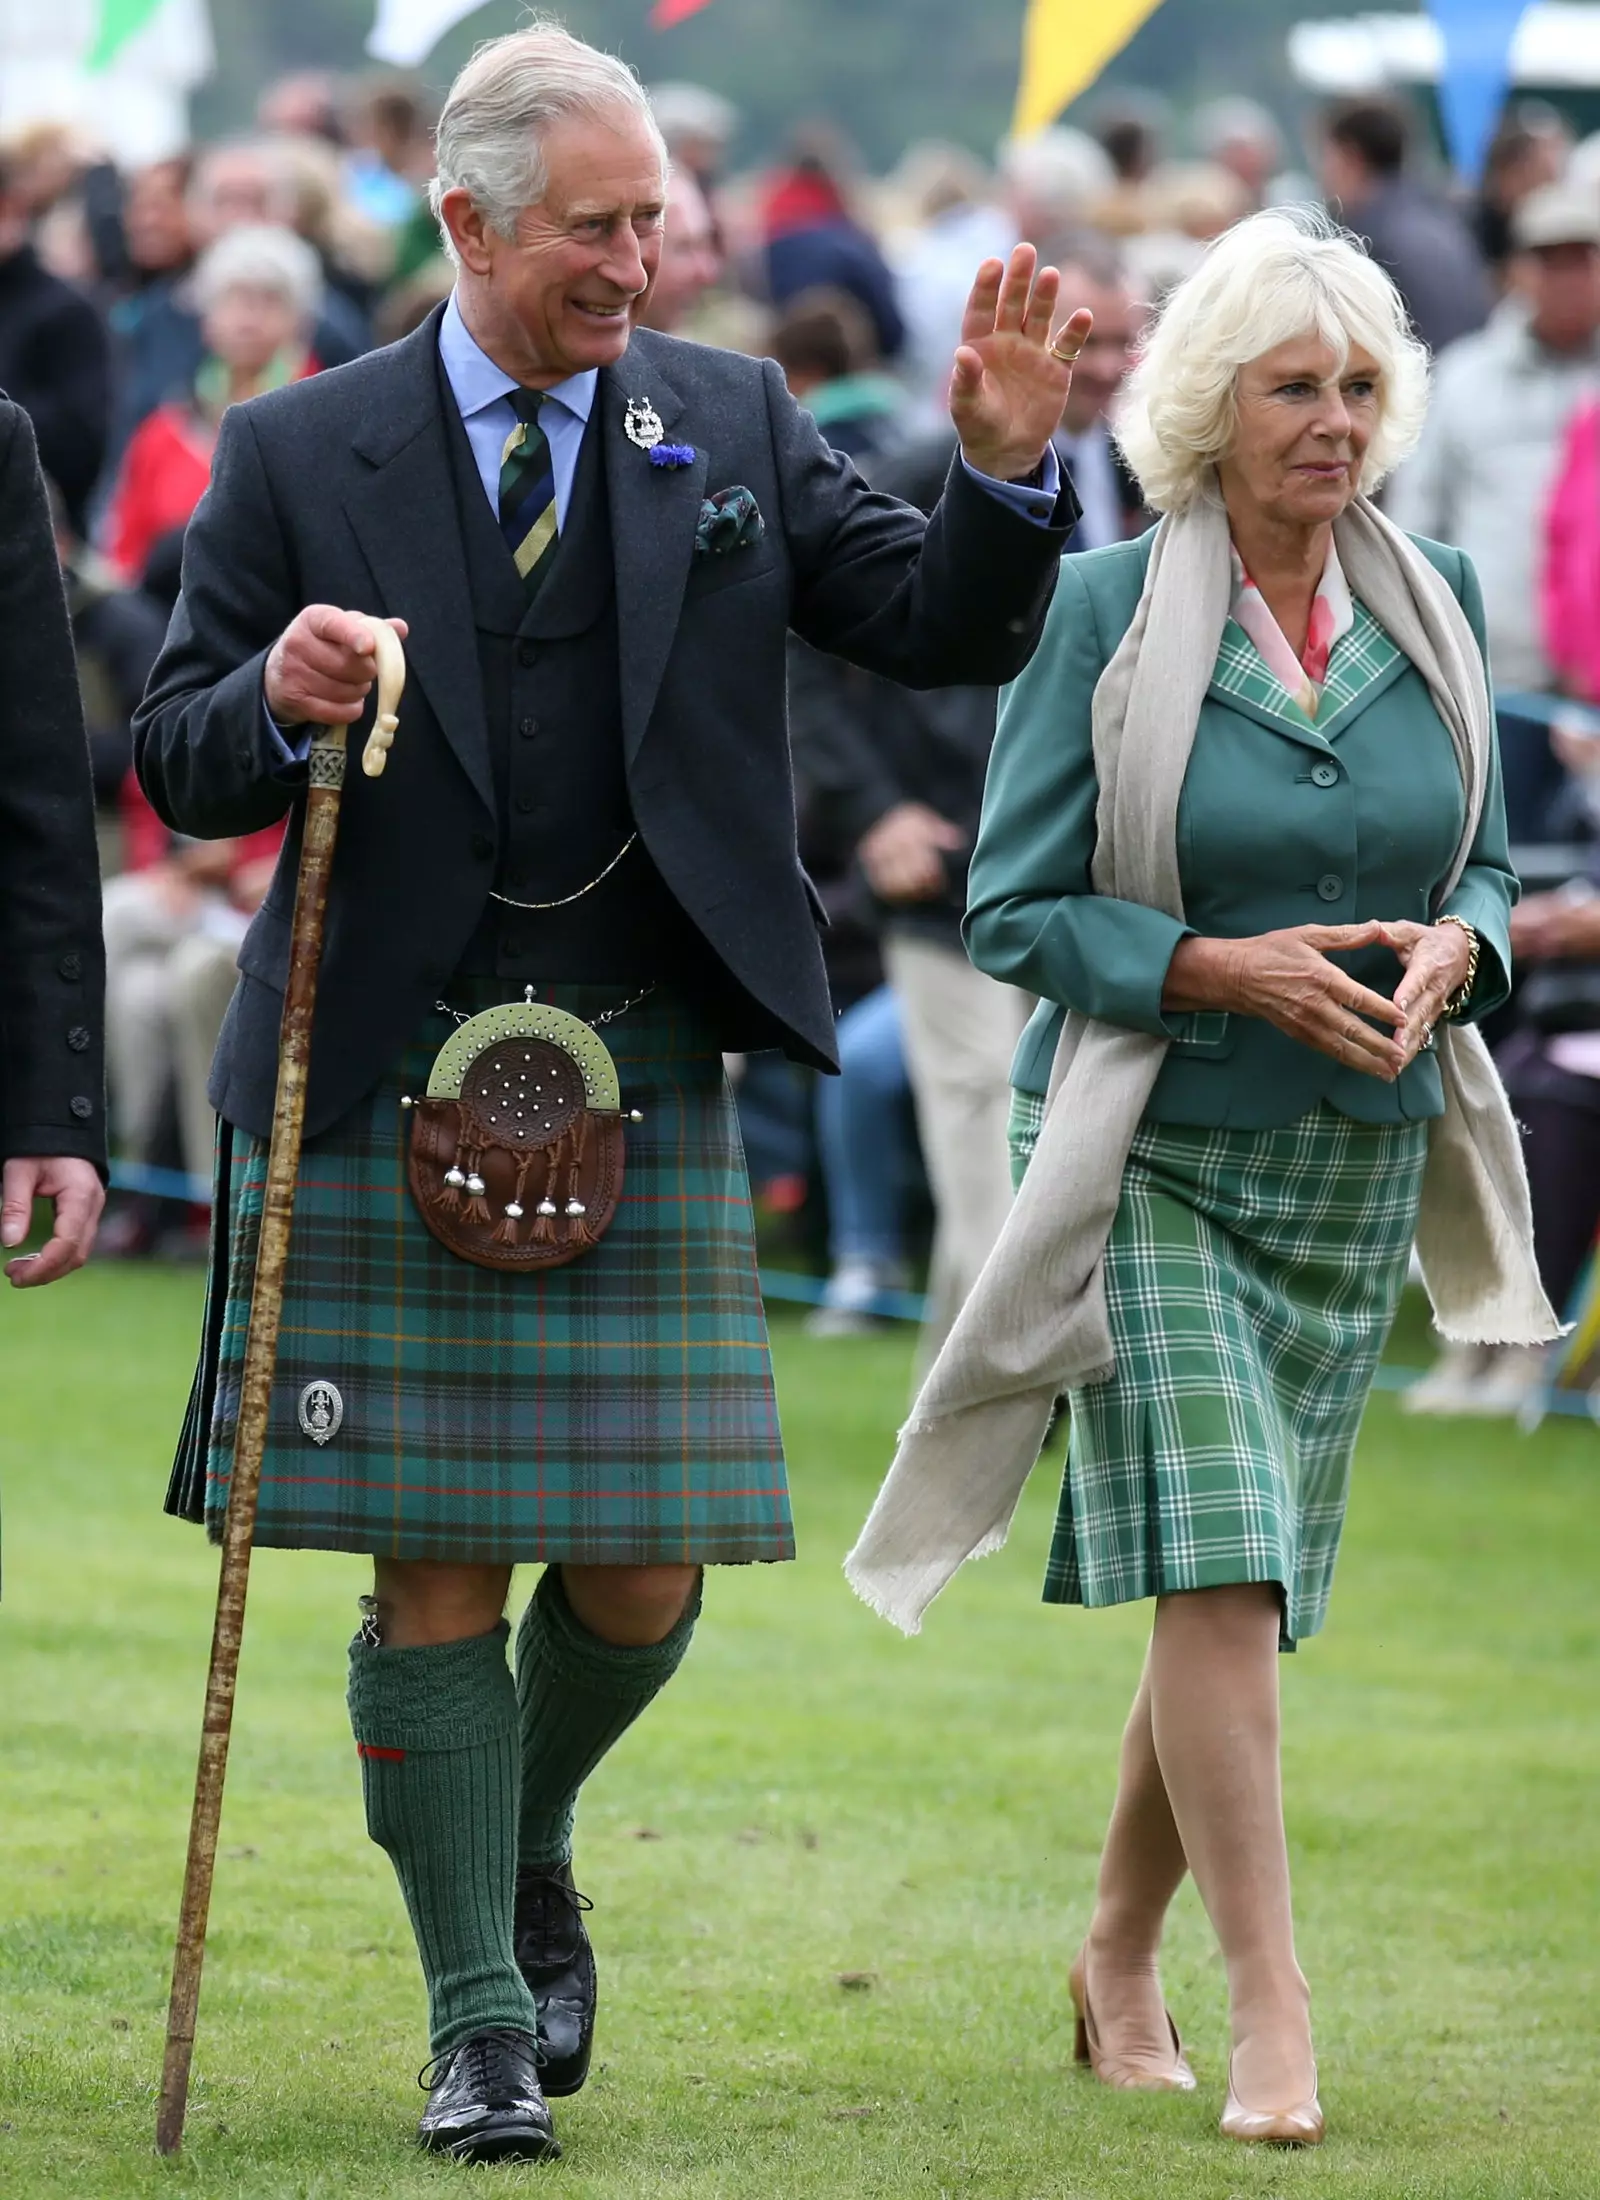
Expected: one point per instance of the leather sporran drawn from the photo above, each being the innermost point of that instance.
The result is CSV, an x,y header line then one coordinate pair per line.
x,y
516,1149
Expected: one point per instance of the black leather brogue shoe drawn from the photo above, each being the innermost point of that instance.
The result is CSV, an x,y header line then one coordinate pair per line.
x,y
556,1960
485,2102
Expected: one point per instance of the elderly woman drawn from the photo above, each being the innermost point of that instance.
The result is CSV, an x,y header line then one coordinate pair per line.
x,y
258,289
1243,835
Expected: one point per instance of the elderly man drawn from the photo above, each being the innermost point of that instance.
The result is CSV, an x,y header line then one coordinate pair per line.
x,y
595,539
1502,399
52,969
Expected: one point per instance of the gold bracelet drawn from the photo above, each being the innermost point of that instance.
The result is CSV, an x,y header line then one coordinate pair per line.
x,y
1463,992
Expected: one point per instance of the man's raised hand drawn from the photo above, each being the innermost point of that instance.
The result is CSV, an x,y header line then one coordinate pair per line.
x,y
1009,387
321,667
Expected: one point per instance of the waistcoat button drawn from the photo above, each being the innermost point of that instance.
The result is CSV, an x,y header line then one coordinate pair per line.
x,y
70,966
527,652
82,1106
78,1038
526,804
528,728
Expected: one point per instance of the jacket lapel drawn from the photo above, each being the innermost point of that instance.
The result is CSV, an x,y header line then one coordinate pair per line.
x,y
404,516
654,513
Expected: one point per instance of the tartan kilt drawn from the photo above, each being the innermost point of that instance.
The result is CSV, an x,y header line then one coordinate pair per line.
x,y
1251,1280
619,1410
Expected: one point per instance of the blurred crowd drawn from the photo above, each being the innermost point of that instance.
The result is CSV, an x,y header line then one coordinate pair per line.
x,y
135,307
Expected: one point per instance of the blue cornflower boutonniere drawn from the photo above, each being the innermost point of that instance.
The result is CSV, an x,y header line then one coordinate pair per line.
x,y
672,454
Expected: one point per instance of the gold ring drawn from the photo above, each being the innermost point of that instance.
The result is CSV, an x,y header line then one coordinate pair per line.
x,y
1066,358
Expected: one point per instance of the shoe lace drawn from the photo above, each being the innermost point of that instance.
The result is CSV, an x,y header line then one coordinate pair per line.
x,y
494,2064
544,1914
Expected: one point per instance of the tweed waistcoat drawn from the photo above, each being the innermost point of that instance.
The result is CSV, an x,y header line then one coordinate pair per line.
x,y
553,707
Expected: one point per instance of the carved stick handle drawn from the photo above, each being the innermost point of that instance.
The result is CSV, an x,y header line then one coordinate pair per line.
x,y
391,685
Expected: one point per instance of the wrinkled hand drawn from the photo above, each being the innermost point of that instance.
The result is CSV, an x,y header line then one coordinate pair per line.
x,y
1008,390
1436,958
902,855
75,1190
321,666
1286,979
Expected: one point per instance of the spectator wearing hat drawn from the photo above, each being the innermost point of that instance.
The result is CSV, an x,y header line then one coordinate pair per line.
x,y
1419,241
1503,398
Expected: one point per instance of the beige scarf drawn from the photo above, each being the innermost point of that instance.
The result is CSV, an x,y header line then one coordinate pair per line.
x,y
1035,1323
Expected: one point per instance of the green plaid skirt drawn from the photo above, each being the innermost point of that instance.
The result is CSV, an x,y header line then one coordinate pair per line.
x,y
616,1411
1251,1279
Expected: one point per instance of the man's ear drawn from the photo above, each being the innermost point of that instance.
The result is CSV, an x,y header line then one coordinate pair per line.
x,y
469,230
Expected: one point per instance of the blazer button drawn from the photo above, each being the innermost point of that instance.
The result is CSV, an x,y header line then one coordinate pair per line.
x,y
527,653
1330,886
482,847
1325,775
82,1106
526,805
528,728
70,966
78,1038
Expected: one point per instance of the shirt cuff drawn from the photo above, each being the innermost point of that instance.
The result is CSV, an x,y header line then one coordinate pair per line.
x,y
1028,499
290,747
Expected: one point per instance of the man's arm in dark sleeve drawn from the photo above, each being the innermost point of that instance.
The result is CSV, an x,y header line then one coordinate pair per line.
x,y
956,601
52,964
203,745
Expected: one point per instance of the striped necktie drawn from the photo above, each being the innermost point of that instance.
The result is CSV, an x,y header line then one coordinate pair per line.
x,y
528,493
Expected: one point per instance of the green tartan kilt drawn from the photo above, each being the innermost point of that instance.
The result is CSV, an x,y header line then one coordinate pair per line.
x,y
619,1410
1251,1280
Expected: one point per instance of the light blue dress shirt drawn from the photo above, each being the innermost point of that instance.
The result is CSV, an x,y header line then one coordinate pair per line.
x,y
482,392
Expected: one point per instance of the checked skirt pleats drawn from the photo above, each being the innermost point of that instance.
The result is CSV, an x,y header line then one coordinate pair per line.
x,y
1251,1280
616,1411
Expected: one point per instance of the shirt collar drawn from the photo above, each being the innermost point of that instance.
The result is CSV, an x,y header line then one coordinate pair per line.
x,y
476,382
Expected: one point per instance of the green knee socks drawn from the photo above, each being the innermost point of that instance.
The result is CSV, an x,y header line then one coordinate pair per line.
x,y
436,1729
577,1696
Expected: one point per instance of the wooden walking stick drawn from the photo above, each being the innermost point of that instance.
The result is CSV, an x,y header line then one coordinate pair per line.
x,y
327,764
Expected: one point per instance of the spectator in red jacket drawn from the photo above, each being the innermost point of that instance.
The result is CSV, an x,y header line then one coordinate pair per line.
x,y
258,289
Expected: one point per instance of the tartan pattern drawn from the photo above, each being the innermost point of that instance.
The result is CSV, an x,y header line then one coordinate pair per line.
x,y
1360,656
1251,1279
616,1411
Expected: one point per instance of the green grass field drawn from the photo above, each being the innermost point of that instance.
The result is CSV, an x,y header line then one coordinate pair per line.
x,y
839,1876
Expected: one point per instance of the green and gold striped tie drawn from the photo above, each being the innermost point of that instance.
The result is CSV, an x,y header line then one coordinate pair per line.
x,y
528,493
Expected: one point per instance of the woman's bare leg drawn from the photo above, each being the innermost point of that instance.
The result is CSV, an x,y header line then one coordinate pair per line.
x,y
1141,1868
1214,1720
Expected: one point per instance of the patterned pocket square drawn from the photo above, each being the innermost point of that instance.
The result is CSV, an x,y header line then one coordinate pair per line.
x,y
730,520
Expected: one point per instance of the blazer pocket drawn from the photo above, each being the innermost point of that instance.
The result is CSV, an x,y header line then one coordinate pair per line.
x,y
1203,1034
264,950
727,569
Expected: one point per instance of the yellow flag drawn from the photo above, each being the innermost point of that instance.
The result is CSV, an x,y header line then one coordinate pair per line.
x,y
1065,45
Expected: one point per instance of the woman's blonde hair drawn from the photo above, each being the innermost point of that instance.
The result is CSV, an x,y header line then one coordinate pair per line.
x,y
1283,274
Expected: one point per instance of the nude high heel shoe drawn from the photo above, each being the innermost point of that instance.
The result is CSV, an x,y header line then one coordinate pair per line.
x,y
1302,2125
1126,2077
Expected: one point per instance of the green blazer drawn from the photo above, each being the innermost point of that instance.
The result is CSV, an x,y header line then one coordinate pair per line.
x,y
1281,822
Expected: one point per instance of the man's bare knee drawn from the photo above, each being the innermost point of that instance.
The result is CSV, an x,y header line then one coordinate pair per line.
x,y
426,1600
630,1606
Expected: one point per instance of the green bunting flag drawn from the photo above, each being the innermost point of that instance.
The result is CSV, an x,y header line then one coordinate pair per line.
x,y
119,20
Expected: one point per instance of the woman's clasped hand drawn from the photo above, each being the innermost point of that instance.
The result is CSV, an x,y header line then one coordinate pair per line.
x,y
1287,978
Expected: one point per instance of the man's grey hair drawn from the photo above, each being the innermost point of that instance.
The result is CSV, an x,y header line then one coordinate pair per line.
x,y
259,256
490,137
